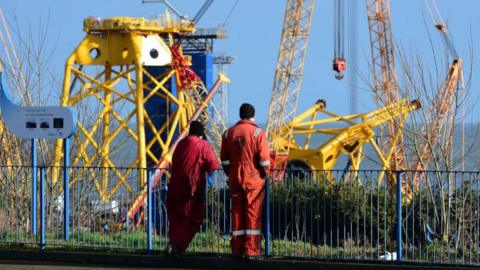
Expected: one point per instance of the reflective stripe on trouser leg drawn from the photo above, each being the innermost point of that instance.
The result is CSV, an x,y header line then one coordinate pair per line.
x,y
238,222
253,230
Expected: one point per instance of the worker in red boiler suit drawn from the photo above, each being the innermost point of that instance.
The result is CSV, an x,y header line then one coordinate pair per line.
x,y
192,159
246,160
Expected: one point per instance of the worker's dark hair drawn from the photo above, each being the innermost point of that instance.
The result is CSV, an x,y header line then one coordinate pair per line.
x,y
247,111
196,128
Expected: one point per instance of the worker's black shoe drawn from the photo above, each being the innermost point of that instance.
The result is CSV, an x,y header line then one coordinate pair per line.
x,y
177,253
172,251
168,252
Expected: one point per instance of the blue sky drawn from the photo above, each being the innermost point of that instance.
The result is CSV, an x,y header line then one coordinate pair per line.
x,y
254,33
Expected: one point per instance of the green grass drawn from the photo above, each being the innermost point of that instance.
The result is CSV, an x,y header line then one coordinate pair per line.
x,y
135,241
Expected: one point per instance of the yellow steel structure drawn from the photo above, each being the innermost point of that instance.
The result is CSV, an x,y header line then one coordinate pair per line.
x,y
288,76
385,75
349,139
108,80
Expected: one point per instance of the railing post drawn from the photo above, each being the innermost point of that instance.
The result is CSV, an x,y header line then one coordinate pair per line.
x,y
42,208
149,209
267,217
399,216
34,187
66,191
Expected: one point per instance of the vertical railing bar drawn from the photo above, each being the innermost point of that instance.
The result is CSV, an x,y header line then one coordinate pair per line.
x,y
405,253
66,193
364,203
318,210
427,210
470,219
330,194
165,187
15,225
311,176
385,216
352,233
325,237
149,209
463,216
208,224
77,205
378,188
42,208
217,223
399,216
441,219
213,222
34,187
304,214
477,234
267,217
224,190
412,184
2,198
292,218
420,188
435,216
456,216
371,216
337,215
346,222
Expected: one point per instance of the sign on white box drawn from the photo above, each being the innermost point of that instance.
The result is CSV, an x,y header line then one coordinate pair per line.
x,y
37,122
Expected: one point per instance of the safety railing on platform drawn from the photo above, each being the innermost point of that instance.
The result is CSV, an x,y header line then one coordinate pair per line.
x,y
339,215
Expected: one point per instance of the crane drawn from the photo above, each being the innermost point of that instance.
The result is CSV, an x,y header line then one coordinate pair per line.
x,y
440,117
385,76
206,5
288,76
339,63
347,135
131,88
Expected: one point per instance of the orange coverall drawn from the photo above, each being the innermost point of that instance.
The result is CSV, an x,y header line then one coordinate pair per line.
x,y
192,159
246,158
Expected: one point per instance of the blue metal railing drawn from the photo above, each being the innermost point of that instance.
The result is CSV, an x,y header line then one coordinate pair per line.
x,y
430,216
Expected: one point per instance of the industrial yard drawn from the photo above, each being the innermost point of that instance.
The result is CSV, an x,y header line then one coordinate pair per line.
x,y
369,110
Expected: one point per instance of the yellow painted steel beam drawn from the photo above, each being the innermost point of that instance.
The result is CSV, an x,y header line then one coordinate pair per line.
x,y
113,86
347,140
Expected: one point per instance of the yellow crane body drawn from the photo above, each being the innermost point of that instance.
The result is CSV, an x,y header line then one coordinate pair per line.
x,y
348,140
108,79
288,76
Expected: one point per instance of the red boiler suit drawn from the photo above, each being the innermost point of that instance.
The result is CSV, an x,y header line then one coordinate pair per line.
x,y
192,159
246,158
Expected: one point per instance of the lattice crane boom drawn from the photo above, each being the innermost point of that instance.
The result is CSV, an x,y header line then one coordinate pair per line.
x,y
288,75
384,73
440,120
439,116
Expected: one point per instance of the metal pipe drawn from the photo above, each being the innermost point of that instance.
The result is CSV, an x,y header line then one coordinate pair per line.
x,y
149,209
399,217
66,191
42,208
202,11
267,217
34,186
